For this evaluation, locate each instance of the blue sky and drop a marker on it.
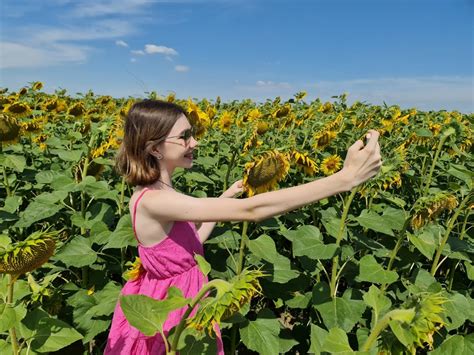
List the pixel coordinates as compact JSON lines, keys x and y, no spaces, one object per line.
{"x":412,"y":53}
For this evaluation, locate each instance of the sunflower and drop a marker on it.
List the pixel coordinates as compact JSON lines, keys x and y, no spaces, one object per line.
{"x":427,"y":208}
{"x":35,"y":125}
{"x":29,"y":254}
{"x":77,"y":109}
{"x":331,"y":164}
{"x":326,"y":107}
{"x":198,"y":119}
{"x":37,"y":85}
{"x":225,"y":121}
{"x":262,"y":127}
{"x":264,"y":173}
{"x":282,"y":111}
{"x":230,"y":298}
{"x":135,"y":271}
{"x":304,"y":162}
{"x":9,"y":129}
{"x":17,"y":109}
{"x":322,"y":139}
{"x":435,"y":128}
{"x":253,"y":114}
{"x":23,"y":91}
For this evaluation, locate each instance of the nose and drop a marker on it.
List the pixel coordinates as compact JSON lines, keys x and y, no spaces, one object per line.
{"x":194,"y":142}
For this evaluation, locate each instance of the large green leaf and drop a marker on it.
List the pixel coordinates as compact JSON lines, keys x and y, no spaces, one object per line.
{"x":336,"y":342}
{"x":332,"y":222}
{"x":43,"y":206}
{"x":11,"y":316}
{"x":264,"y":248}
{"x":68,"y":155}
{"x":14,"y":162}
{"x":455,"y":345}
{"x":341,"y":312}
{"x":456,"y":309}
{"x":122,"y":235}
{"x":317,"y":338}
{"x":77,"y":252}
{"x":148,"y":314}
{"x":372,"y":220}
{"x":427,"y":240}
{"x":379,"y":303}
{"x":106,"y":300}
{"x":261,"y":335}
{"x":281,"y":271}
{"x":371,"y":271}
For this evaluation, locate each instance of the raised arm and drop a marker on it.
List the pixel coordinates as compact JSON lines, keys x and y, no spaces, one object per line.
{"x":361,"y":164}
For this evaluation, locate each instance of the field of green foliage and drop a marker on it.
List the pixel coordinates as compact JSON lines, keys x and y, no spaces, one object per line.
{"x":386,"y":268}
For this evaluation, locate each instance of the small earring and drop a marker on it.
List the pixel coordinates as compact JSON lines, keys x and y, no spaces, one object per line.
{"x":159,"y":157}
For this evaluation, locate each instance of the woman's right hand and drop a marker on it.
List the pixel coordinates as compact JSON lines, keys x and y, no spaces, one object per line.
{"x":361,"y":162}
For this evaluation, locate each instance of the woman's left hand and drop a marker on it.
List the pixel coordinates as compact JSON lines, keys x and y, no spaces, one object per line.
{"x":235,"y":189}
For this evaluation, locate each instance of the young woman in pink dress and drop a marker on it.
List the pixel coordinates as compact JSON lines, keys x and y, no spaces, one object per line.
{"x":171,"y":227}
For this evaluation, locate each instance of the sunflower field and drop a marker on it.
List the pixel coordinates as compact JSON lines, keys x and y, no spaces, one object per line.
{"x":386,"y":268}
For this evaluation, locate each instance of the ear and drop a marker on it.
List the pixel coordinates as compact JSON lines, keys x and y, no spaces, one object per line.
{"x":153,"y":150}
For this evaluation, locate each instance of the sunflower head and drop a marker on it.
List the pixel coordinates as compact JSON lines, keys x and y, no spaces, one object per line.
{"x":331,"y":164}
{"x":427,"y":208}
{"x":9,"y":129}
{"x":37,"y":85}
{"x":77,"y":109}
{"x":29,"y":254}
{"x":322,"y":139}
{"x":17,"y":109}
{"x":225,"y":121}
{"x":264,"y":173}
{"x":304,"y":162}
{"x":230,"y":298}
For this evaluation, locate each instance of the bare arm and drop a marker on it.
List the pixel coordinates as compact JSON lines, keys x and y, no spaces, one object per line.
{"x":359,"y":166}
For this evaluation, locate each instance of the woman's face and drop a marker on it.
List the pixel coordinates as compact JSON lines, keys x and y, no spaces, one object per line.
{"x":177,"y":148}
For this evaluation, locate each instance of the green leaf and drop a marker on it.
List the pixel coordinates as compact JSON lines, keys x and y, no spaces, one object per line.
{"x":148,"y":314}
{"x":15,"y":162}
{"x":453,"y":345}
{"x":317,"y":339}
{"x":332,"y":222}
{"x":264,"y":248}
{"x":53,"y":334}
{"x":204,"y":266}
{"x":371,"y":271}
{"x":427,"y":240}
{"x":43,"y":206}
{"x":281,"y":271}
{"x":123,"y":234}
{"x":299,"y":300}
{"x":371,"y":220}
{"x":469,"y":270}
{"x":307,"y":241}
{"x":197,"y":177}
{"x":261,"y":336}
{"x":456,"y":311}
{"x":341,"y":312}
{"x":68,"y":155}
{"x":106,"y":300}
{"x":11,"y":316}
{"x":336,"y":342}
{"x":77,"y":252}
{"x":403,"y":332}
{"x":379,"y":303}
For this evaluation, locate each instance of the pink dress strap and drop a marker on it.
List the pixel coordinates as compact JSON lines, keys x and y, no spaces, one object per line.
{"x":135,"y":212}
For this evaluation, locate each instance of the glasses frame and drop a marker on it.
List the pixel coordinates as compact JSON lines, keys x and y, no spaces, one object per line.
{"x":184,"y":134}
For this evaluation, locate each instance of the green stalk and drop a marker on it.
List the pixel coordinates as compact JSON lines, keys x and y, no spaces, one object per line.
{"x":182,"y":324}
{"x":380,"y":326}
{"x":342,"y":225}
{"x":243,"y":242}
{"x":455,"y":263}
{"x":435,"y":159}
{"x":5,"y":182}
{"x":12,"y":330}
{"x":229,"y":169}
{"x":450,"y":226}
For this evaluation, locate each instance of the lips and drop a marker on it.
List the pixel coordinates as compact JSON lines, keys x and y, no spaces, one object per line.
{"x":189,"y":155}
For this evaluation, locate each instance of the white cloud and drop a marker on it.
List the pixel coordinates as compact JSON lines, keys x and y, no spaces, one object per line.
{"x":133,"y":60}
{"x":17,"y":55}
{"x":137,"y":52}
{"x":121,"y":43}
{"x":96,"y":8}
{"x":270,"y":85}
{"x":152,"y":48}
{"x":181,"y":68}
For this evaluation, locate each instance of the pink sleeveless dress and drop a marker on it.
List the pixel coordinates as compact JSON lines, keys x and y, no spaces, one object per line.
{"x":167,"y":263}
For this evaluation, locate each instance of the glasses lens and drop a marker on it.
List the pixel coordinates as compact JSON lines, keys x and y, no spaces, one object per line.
{"x":188,"y":134}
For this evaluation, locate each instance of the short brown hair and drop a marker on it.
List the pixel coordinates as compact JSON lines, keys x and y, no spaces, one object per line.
{"x":147,"y":122}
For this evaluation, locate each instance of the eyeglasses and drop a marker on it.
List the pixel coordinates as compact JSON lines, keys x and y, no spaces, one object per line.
{"x":186,"y":135}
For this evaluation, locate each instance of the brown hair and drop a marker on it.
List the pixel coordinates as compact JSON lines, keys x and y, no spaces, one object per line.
{"x":147,"y":122}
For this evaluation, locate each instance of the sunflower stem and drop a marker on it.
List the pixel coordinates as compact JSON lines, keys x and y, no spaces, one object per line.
{"x":182,"y":324}
{"x":5,"y":182}
{"x":12,"y":330}
{"x":450,"y":226}
{"x":435,"y":159}
{"x":229,"y":168}
{"x":379,"y":327}
{"x":342,"y":225}
{"x":83,"y":214}
{"x":243,"y":242}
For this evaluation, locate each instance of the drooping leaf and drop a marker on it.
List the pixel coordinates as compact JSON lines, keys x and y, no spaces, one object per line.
{"x":77,"y":252}
{"x":264,"y":248}
{"x":371,"y":271}
{"x":261,"y":335}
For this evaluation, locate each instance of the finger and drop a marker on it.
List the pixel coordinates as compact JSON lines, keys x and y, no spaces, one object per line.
{"x":358,"y":145}
{"x":373,"y":137}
